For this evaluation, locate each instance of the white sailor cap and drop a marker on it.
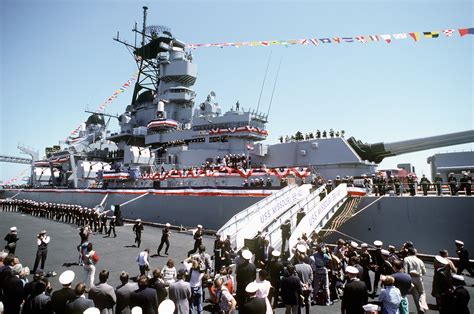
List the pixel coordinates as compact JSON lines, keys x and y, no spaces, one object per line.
{"x":391,"y":247}
{"x":168,"y":224}
{"x":370,"y":307}
{"x":199,"y":226}
{"x":385,"y":252}
{"x":92,"y":310}
{"x":378,"y":243}
{"x":66,"y":277}
{"x":354,"y":244}
{"x":276,"y":253}
{"x":459,"y":242}
{"x":352,"y":270}
{"x":251,"y":287}
{"x":441,"y":260}
{"x":138,"y":220}
{"x":246,"y":254}
{"x":364,"y":245}
{"x":13,"y":228}
{"x":166,"y":307}
{"x":458,"y":278}
{"x":113,"y":217}
{"x":301,"y":248}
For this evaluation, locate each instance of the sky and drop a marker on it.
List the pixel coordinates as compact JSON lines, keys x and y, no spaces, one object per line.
{"x":58,"y":59}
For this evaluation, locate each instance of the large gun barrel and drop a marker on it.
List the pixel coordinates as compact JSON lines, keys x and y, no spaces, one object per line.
{"x":378,"y":151}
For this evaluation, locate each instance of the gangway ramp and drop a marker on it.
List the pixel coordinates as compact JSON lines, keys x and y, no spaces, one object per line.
{"x":246,"y":224}
{"x":305,"y":206}
{"x":319,"y":215}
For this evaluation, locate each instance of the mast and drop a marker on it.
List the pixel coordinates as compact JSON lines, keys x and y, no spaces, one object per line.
{"x":140,"y":67}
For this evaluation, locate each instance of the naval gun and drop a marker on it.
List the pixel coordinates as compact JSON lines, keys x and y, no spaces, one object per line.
{"x":378,"y":151}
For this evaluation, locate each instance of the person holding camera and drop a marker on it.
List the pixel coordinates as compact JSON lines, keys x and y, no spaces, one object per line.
{"x":42,"y":240}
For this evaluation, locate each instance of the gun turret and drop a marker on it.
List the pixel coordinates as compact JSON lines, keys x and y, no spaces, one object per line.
{"x":378,"y":151}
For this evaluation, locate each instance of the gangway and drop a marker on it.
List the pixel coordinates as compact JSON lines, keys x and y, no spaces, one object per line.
{"x":319,"y":215}
{"x":305,"y":206}
{"x":246,"y":224}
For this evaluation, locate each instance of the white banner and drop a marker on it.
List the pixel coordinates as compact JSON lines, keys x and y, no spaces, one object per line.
{"x":269,"y":213}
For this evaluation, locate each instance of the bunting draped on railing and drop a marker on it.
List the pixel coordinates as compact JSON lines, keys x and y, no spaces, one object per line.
{"x":416,"y":36}
{"x":15,"y":178}
{"x":220,"y":172}
{"x":107,"y":102}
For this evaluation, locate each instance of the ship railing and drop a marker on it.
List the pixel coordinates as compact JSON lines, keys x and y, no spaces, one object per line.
{"x":319,"y":215}
{"x":257,"y":217}
{"x":306,"y":205}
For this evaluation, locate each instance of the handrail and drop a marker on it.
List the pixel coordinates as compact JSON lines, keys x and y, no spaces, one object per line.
{"x":314,"y":219}
{"x":248,"y":227}
{"x":253,"y":208}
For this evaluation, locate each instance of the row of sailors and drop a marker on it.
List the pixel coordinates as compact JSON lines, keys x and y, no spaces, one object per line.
{"x":258,"y":182}
{"x":308,"y":136}
{"x":68,"y":213}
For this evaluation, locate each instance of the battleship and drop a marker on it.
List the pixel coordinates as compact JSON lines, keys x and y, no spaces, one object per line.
{"x":179,"y":160}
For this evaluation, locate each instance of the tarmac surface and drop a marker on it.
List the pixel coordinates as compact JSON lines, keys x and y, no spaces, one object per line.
{"x":119,"y":254}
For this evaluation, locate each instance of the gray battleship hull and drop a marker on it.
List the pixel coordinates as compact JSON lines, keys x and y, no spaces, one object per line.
{"x":188,"y":207}
{"x":432,"y":223}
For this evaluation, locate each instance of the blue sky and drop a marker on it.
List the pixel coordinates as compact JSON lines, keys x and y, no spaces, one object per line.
{"x":58,"y":57}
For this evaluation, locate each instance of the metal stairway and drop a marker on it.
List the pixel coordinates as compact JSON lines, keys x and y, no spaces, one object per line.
{"x":247,"y":223}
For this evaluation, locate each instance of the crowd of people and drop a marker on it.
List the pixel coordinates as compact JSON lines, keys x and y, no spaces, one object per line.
{"x":256,"y":279}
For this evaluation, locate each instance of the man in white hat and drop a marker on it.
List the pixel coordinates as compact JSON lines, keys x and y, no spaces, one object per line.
{"x":463,"y":255}
{"x":42,"y":240}
{"x":416,"y":269}
{"x":198,"y":233}
{"x":138,"y":229}
{"x":378,"y":263}
{"x":460,"y":296}
{"x":254,"y":304}
{"x":245,"y":273}
{"x":165,"y":239}
{"x":60,"y":297}
{"x":355,"y":292}
{"x":441,"y":284}
{"x":11,"y":238}
{"x":275,"y":271}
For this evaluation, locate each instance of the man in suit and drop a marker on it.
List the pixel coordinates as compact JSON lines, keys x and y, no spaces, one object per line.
{"x":12,"y":287}
{"x":145,"y":297}
{"x":156,"y":282}
{"x":66,"y":293}
{"x":79,"y":304}
{"x":291,"y":289}
{"x":254,"y":305}
{"x":355,"y":293}
{"x":180,"y":293}
{"x":245,"y":273}
{"x":38,"y":302}
{"x":103,"y":294}
{"x":123,"y":294}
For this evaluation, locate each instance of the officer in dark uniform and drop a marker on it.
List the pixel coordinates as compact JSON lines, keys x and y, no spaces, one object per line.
{"x":411,"y":185}
{"x":318,"y":134}
{"x":197,"y":240}
{"x":165,"y":238}
{"x":463,"y":258}
{"x":329,"y":186}
{"x":42,"y":252}
{"x":425,"y":184}
{"x":337,"y":181}
{"x":11,"y":238}
{"x":103,"y":223}
{"x":465,"y":183}
{"x":138,"y":229}
{"x":453,"y":182}
{"x":285,"y":236}
{"x":112,"y":224}
{"x":438,"y":181}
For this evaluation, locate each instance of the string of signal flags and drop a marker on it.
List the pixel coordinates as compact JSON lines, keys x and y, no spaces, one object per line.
{"x":388,"y":38}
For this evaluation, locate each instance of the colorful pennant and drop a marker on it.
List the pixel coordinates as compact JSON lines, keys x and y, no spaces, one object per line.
{"x":416,"y":36}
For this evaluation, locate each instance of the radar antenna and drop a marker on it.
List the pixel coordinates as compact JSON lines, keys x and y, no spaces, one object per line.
{"x":155,"y":39}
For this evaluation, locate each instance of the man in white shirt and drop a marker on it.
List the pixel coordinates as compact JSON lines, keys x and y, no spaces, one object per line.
{"x":143,"y":261}
{"x":416,"y":269}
